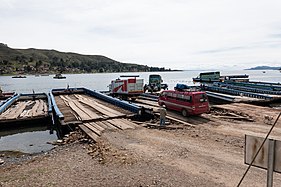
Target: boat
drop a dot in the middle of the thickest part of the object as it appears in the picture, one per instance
(19, 76)
(208, 77)
(44, 74)
(59, 76)
(216, 77)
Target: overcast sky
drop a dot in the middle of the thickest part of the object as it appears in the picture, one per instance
(177, 34)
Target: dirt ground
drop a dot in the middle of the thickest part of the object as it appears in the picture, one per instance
(208, 153)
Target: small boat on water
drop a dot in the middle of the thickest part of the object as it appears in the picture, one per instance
(19, 76)
(59, 76)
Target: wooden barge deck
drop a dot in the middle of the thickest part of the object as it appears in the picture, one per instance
(25, 108)
(91, 111)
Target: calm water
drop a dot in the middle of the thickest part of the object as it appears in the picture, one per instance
(34, 141)
(28, 142)
(100, 81)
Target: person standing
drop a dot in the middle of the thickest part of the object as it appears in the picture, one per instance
(163, 114)
(1, 92)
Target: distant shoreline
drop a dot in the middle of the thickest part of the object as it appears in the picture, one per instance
(53, 73)
(264, 68)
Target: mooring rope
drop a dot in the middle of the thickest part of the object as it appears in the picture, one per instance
(259, 150)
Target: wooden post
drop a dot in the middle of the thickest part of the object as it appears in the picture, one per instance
(270, 162)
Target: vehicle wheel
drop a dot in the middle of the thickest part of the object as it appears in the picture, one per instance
(184, 112)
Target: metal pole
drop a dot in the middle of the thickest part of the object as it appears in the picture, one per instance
(270, 162)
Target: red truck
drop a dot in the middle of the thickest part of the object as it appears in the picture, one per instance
(129, 88)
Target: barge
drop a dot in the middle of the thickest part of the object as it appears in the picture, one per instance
(216, 77)
(5, 96)
(25, 109)
(89, 110)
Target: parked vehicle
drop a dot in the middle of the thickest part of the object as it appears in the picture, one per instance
(186, 102)
(154, 83)
(164, 86)
(129, 88)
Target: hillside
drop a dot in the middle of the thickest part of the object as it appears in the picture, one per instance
(36, 61)
(264, 68)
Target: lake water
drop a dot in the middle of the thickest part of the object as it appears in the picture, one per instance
(100, 81)
(34, 141)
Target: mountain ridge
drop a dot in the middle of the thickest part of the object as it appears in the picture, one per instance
(36, 61)
(264, 68)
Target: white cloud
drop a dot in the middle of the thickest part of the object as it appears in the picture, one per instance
(186, 34)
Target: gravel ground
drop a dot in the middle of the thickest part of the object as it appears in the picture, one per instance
(209, 154)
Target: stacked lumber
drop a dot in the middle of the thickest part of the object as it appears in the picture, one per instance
(94, 129)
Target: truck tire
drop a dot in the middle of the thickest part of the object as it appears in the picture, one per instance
(184, 112)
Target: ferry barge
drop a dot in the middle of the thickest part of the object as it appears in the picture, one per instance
(25, 109)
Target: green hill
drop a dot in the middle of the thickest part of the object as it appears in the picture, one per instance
(37, 61)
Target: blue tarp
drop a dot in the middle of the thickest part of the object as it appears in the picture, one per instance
(182, 87)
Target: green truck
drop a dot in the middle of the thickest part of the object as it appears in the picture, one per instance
(154, 83)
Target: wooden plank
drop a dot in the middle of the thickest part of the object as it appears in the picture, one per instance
(177, 120)
(64, 100)
(102, 125)
(76, 116)
(34, 108)
(157, 126)
(40, 109)
(97, 126)
(119, 124)
(92, 128)
(89, 112)
(92, 105)
(90, 133)
(85, 114)
(18, 110)
(129, 123)
(79, 112)
(115, 124)
(99, 107)
(109, 125)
